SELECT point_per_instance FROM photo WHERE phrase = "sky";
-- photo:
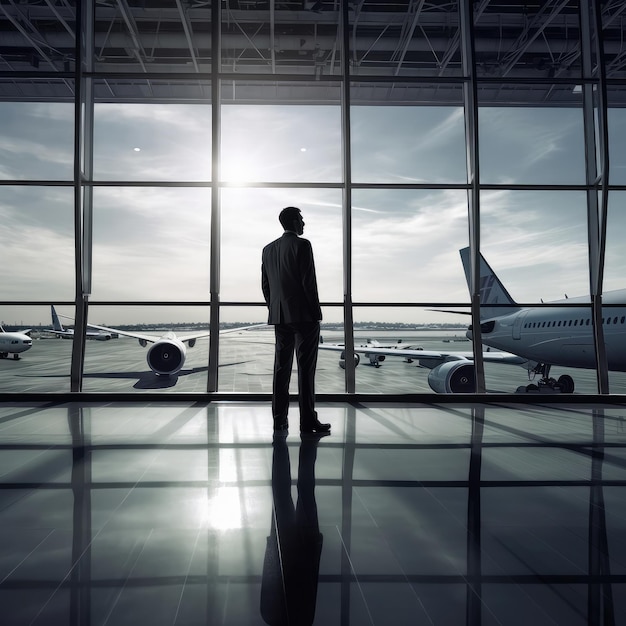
(153, 243)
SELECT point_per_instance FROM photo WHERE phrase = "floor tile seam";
(187, 573)
(354, 574)
(546, 548)
(121, 588)
(43, 540)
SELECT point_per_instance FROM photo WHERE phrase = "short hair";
(288, 215)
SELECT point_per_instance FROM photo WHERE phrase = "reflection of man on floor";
(294, 547)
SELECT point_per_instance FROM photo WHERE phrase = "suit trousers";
(303, 338)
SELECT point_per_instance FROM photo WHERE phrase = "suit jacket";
(288, 280)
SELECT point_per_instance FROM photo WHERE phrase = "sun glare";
(222, 511)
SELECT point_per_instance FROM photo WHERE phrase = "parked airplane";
(68, 333)
(534, 337)
(166, 356)
(14, 343)
(549, 335)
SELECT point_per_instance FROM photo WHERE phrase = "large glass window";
(36, 139)
(250, 221)
(147, 142)
(531, 145)
(405, 245)
(151, 243)
(408, 144)
(37, 242)
(398, 140)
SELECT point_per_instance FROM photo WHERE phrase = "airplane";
(166, 356)
(14, 343)
(68, 333)
(533, 337)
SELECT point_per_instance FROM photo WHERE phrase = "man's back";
(288, 280)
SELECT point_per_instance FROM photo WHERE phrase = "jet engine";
(166, 356)
(342, 360)
(452, 377)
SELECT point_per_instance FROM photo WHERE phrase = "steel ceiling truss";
(409, 40)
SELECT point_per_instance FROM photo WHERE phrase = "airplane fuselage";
(14, 343)
(561, 335)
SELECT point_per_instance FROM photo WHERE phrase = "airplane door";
(517, 324)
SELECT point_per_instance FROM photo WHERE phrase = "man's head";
(291, 219)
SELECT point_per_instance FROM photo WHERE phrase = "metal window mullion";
(84, 25)
(348, 316)
(470, 109)
(594, 94)
(215, 235)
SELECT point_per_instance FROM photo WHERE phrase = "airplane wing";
(183, 338)
(430, 358)
(127, 333)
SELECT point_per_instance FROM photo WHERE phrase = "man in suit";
(289, 286)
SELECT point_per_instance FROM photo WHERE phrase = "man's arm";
(309, 280)
(265, 284)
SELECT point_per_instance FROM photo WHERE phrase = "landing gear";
(547, 384)
(4, 355)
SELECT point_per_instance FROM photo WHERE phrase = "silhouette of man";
(289, 286)
(294, 547)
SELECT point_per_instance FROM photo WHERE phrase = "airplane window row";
(584, 322)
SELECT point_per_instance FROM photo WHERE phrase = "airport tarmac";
(246, 360)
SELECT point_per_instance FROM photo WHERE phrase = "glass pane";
(41, 366)
(405, 245)
(151, 243)
(408, 144)
(145, 142)
(617, 142)
(531, 145)
(250, 221)
(166, 36)
(150, 361)
(37, 242)
(285, 40)
(247, 357)
(540, 40)
(36, 138)
(613, 288)
(406, 39)
(401, 335)
(281, 143)
(536, 246)
(537, 241)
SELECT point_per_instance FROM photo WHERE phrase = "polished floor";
(189, 513)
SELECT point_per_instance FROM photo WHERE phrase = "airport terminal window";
(250, 221)
(150, 142)
(531, 145)
(513, 221)
(37, 243)
(184, 165)
(408, 144)
(37, 140)
(405, 245)
(151, 243)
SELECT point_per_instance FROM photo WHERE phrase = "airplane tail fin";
(56, 323)
(492, 291)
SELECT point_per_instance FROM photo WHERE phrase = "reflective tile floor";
(175, 513)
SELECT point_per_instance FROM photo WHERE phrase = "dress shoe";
(315, 427)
